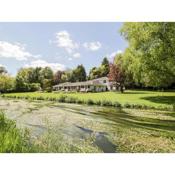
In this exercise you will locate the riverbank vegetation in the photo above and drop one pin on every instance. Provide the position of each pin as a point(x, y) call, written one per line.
point(130, 99)
point(12, 139)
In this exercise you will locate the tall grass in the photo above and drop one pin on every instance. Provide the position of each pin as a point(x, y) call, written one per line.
point(130, 99)
point(12, 139)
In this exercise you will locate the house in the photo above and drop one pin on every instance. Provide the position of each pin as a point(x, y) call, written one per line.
point(96, 85)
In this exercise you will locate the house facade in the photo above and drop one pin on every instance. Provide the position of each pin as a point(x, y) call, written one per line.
point(96, 85)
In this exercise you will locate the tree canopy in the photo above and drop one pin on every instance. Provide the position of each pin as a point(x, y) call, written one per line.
point(150, 57)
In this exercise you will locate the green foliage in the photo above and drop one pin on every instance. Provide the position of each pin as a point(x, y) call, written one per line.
point(148, 99)
point(13, 140)
point(150, 55)
point(106, 103)
point(90, 102)
point(94, 73)
point(3, 70)
point(69, 99)
point(101, 71)
point(79, 74)
point(33, 79)
point(6, 83)
point(34, 87)
point(117, 104)
point(47, 85)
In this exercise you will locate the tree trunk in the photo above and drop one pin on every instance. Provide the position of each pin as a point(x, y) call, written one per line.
point(121, 88)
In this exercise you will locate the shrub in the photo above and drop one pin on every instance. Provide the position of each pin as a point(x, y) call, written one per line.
point(98, 103)
point(70, 100)
point(173, 107)
point(127, 105)
point(40, 98)
point(106, 103)
point(117, 104)
point(62, 98)
point(89, 102)
point(34, 87)
point(78, 101)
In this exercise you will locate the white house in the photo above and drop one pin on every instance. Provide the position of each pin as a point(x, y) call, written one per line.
point(96, 85)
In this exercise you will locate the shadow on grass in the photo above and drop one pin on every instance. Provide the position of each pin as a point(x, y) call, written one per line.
point(161, 99)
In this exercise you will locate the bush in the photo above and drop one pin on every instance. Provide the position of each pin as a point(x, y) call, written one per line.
point(106, 103)
point(62, 98)
point(34, 87)
point(78, 101)
point(173, 107)
point(70, 100)
point(98, 103)
point(127, 105)
point(117, 104)
point(89, 102)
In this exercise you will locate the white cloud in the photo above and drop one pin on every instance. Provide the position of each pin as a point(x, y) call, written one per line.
point(42, 63)
point(113, 54)
point(64, 40)
point(17, 51)
point(119, 52)
point(93, 46)
point(76, 55)
point(70, 59)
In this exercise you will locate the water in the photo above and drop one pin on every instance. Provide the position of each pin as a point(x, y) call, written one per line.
point(72, 121)
point(79, 124)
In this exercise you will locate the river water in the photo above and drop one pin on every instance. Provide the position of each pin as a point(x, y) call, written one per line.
point(90, 128)
point(75, 122)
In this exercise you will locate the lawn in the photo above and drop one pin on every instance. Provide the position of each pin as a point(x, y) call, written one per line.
point(148, 98)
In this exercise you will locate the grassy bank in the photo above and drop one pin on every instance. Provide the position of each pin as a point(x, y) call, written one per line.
point(12, 139)
point(130, 99)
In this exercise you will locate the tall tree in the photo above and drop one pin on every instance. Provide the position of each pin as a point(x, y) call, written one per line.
point(25, 80)
point(94, 73)
point(150, 55)
point(104, 68)
point(57, 77)
point(116, 74)
point(79, 74)
point(46, 75)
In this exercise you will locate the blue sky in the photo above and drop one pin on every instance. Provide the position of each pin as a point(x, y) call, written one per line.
point(58, 45)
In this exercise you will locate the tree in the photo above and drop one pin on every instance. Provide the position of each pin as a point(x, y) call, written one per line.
point(94, 73)
point(104, 68)
point(2, 70)
point(47, 85)
point(6, 83)
point(57, 77)
point(46, 75)
point(101, 71)
point(79, 74)
point(150, 55)
point(26, 80)
point(116, 74)
point(22, 80)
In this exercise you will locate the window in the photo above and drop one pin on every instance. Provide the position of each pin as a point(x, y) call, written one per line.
point(104, 81)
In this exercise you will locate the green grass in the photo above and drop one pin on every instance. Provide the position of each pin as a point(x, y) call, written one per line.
point(12, 139)
point(134, 98)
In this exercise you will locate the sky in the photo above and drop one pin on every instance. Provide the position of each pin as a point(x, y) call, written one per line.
point(58, 45)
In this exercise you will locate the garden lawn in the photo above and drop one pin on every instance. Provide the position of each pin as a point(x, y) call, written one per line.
point(149, 98)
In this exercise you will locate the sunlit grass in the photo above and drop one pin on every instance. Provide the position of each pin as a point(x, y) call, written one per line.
point(143, 98)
